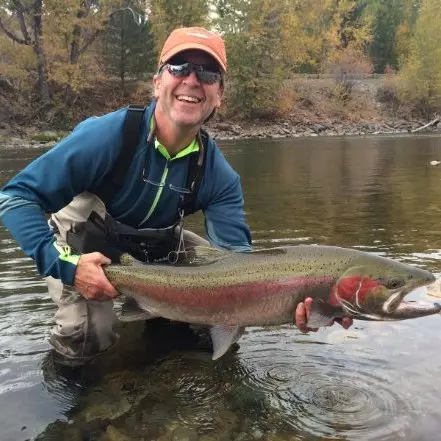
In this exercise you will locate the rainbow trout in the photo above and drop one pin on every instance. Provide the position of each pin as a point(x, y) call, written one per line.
point(229, 291)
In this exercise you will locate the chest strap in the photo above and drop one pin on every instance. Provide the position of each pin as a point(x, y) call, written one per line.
point(114, 180)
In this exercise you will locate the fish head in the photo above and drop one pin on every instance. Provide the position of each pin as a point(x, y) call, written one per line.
point(375, 289)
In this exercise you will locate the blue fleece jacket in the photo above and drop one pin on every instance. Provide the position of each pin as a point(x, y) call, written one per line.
point(81, 161)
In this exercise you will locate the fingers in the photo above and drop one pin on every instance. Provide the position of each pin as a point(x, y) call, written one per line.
point(90, 279)
point(97, 258)
point(345, 322)
point(302, 315)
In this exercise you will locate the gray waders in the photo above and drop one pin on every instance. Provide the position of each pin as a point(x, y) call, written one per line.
point(84, 328)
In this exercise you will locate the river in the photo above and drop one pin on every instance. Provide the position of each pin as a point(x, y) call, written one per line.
point(375, 381)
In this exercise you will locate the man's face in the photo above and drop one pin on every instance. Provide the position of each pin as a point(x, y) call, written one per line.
point(186, 102)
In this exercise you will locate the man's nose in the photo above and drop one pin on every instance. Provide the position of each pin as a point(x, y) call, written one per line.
point(192, 79)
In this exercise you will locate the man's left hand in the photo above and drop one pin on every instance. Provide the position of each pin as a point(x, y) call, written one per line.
point(303, 313)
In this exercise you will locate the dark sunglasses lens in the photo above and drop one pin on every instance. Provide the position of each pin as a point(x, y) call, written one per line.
point(208, 76)
point(204, 74)
point(179, 70)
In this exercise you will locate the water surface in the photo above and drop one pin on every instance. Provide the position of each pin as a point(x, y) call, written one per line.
point(376, 381)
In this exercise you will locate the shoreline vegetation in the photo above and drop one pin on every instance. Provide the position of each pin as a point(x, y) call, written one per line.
point(295, 69)
point(314, 111)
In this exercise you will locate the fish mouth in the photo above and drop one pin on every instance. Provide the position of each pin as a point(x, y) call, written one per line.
point(396, 308)
point(394, 300)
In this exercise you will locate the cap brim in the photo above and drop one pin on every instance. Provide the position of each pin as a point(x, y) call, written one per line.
point(190, 46)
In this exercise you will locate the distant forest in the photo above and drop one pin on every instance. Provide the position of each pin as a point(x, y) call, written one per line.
point(58, 55)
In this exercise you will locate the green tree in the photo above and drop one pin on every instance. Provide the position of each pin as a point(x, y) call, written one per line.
point(420, 78)
point(348, 25)
point(405, 30)
point(388, 15)
point(128, 48)
point(255, 54)
point(166, 15)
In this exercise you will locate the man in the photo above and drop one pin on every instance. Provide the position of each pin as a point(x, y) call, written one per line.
point(188, 88)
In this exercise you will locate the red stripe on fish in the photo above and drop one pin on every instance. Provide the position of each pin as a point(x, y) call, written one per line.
point(215, 298)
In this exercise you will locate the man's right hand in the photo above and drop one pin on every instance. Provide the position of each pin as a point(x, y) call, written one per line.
point(90, 280)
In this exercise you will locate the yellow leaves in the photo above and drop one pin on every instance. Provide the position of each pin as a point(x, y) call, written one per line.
point(16, 61)
point(420, 78)
point(345, 29)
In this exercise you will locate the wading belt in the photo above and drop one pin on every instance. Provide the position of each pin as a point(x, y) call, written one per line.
point(113, 238)
point(114, 181)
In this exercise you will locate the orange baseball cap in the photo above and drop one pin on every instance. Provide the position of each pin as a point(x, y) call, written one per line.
point(183, 39)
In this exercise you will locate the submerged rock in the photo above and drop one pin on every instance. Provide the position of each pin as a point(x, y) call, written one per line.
point(113, 434)
point(183, 433)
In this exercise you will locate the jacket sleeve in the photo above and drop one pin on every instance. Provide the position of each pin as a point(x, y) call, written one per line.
point(223, 206)
point(76, 164)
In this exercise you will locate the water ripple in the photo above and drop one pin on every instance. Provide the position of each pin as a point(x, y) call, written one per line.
point(315, 392)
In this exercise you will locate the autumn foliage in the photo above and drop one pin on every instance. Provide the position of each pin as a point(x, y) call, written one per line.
point(56, 55)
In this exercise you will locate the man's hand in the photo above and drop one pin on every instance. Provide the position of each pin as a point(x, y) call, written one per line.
point(303, 313)
point(90, 280)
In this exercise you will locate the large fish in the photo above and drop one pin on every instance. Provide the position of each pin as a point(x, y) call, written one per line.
point(229, 291)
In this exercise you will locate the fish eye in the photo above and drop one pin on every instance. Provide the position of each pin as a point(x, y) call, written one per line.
point(393, 283)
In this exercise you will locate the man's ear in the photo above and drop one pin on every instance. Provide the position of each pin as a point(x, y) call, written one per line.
point(219, 97)
point(156, 85)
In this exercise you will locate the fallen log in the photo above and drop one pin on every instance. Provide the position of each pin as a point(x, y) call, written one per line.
point(432, 123)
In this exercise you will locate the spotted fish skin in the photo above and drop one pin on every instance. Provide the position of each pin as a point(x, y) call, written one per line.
point(228, 291)
point(264, 287)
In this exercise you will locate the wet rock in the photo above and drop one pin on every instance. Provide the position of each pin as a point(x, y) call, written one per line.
point(184, 434)
point(207, 438)
point(113, 434)
point(165, 437)
point(257, 434)
point(281, 437)
point(318, 128)
point(61, 430)
point(109, 410)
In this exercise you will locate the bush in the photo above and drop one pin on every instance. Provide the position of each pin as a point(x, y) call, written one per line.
point(346, 66)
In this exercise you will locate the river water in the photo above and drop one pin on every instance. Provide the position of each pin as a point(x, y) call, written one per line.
point(376, 381)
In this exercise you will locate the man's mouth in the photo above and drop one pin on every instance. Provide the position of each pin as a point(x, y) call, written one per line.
point(189, 99)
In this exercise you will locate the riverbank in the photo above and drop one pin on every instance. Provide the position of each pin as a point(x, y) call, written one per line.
point(33, 137)
point(310, 108)
point(290, 129)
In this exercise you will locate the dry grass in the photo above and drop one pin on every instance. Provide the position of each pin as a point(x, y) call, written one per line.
point(321, 100)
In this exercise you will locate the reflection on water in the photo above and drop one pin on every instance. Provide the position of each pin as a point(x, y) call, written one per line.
point(376, 381)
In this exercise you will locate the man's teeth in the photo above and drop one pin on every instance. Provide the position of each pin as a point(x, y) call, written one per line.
point(189, 99)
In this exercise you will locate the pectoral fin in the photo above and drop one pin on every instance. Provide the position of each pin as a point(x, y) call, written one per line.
point(223, 337)
point(132, 312)
point(322, 314)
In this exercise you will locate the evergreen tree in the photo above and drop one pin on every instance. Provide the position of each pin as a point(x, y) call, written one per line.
point(128, 45)
point(383, 49)
point(421, 74)
point(166, 15)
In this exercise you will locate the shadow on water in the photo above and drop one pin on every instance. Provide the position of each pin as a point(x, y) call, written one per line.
point(376, 381)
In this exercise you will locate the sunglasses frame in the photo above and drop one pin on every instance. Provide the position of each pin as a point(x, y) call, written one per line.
point(203, 73)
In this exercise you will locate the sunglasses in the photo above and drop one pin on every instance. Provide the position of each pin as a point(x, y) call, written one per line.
point(203, 73)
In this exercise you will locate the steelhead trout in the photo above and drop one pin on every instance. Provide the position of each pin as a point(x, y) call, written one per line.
point(229, 291)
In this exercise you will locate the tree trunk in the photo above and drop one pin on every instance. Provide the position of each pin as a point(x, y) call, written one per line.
point(122, 68)
point(76, 38)
point(43, 86)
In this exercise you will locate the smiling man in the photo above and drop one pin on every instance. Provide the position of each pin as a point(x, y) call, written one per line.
point(147, 174)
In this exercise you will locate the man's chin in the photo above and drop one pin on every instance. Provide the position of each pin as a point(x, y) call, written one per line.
point(189, 123)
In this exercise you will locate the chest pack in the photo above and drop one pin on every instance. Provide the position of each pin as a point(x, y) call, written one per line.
point(114, 180)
